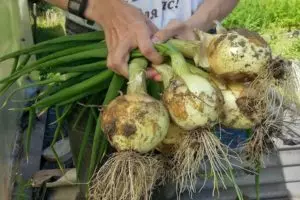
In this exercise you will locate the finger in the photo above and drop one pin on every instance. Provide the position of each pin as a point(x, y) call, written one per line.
point(171, 30)
point(151, 73)
point(108, 40)
point(157, 78)
point(113, 39)
point(153, 28)
point(120, 57)
point(146, 46)
point(186, 35)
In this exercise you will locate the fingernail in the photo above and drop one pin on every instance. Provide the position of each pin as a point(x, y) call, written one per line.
point(155, 40)
point(157, 78)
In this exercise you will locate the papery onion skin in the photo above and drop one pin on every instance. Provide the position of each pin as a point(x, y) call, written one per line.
point(135, 122)
point(237, 110)
point(238, 55)
point(192, 103)
point(172, 140)
point(233, 117)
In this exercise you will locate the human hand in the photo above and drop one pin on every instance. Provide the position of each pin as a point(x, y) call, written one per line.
point(174, 29)
point(125, 28)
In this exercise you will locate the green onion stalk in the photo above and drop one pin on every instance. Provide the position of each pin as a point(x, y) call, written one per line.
point(134, 124)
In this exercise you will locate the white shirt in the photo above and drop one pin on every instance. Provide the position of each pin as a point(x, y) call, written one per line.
point(160, 12)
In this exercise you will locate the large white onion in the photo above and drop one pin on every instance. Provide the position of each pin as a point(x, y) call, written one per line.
point(172, 140)
point(135, 121)
point(192, 101)
point(237, 55)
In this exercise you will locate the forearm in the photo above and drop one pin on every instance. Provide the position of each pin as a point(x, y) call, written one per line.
point(209, 11)
point(63, 4)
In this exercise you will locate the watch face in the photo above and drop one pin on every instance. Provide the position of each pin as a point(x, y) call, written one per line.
point(74, 5)
point(77, 7)
point(82, 22)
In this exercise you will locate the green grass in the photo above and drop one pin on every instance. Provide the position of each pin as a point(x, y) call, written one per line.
point(260, 15)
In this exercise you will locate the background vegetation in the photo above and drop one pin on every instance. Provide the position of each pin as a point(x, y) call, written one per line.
point(278, 21)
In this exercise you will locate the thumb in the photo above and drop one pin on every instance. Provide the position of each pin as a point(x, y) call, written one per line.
point(163, 35)
point(171, 30)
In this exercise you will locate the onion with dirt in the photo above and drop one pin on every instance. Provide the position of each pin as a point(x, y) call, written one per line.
point(134, 124)
point(195, 105)
point(235, 55)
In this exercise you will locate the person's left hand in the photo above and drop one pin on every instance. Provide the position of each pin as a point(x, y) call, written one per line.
point(174, 29)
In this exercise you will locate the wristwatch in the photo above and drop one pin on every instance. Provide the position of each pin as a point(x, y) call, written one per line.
point(77, 7)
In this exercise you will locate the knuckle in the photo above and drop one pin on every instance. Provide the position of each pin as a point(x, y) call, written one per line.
point(113, 62)
point(160, 35)
point(146, 50)
point(110, 63)
point(115, 65)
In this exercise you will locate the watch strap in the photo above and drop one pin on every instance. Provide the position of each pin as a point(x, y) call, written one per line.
point(77, 7)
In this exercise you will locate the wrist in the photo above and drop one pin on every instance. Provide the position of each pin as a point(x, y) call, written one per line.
point(199, 23)
point(97, 9)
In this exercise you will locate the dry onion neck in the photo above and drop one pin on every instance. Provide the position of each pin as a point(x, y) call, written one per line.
point(137, 77)
point(166, 73)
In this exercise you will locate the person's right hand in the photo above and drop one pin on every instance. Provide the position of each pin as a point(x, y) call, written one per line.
point(125, 28)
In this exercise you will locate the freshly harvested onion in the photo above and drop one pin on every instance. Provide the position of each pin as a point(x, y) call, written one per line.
point(134, 123)
point(236, 55)
point(190, 99)
point(172, 140)
point(195, 105)
point(238, 113)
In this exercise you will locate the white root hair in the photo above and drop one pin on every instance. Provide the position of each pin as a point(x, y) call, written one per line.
point(127, 176)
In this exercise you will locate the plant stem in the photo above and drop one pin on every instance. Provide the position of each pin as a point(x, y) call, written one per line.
point(100, 143)
point(187, 48)
point(88, 130)
point(74, 90)
point(100, 65)
point(166, 73)
point(178, 62)
point(29, 131)
point(137, 76)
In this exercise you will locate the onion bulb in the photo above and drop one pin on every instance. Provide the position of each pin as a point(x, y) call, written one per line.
point(236, 55)
point(172, 140)
point(195, 105)
point(238, 109)
point(247, 106)
point(192, 101)
point(134, 123)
